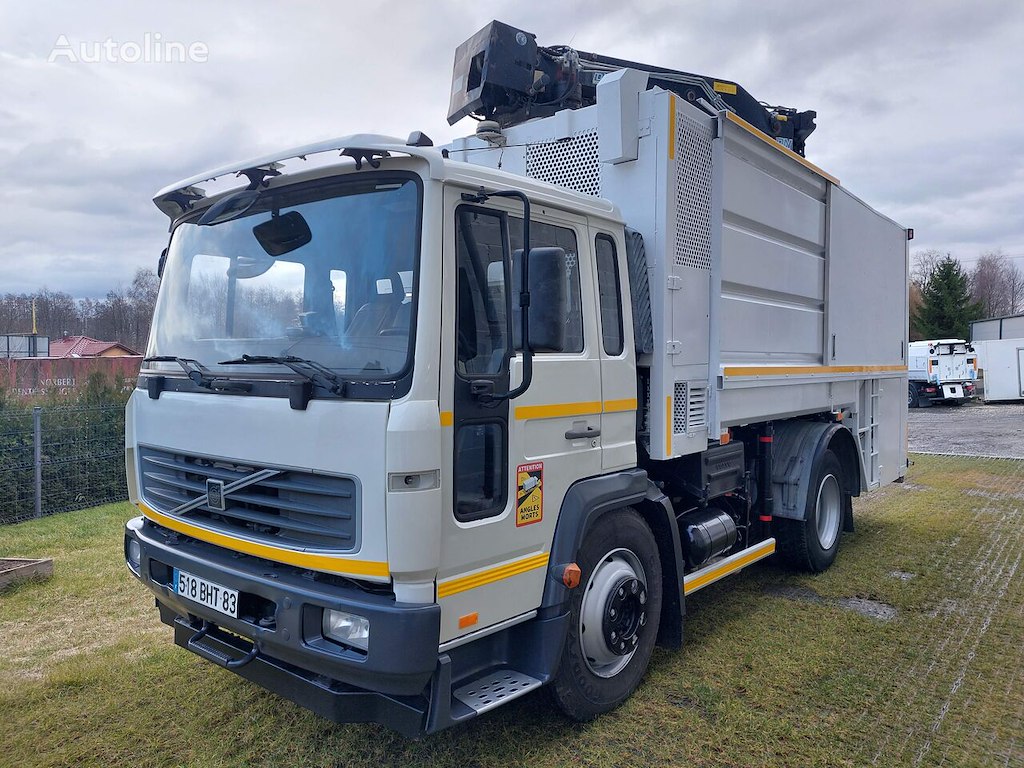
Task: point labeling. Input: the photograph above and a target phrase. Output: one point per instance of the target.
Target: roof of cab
(175, 199)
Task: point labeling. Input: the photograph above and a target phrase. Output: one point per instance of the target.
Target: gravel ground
(975, 429)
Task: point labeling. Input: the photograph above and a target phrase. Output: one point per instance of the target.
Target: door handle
(582, 434)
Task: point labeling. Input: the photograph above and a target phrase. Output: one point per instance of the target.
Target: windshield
(320, 271)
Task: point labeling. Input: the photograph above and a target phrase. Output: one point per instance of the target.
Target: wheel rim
(828, 511)
(910, 394)
(613, 615)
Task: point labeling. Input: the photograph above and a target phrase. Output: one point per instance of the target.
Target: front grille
(291, 508)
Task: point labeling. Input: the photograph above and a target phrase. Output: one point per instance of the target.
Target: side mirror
(549, 303)
(161, 263)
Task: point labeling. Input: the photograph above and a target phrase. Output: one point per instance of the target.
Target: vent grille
(697, 409)
(290, 507)
(689, 408)
(571, 163)
(693, 193)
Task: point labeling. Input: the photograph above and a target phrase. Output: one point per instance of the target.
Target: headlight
(347, 628)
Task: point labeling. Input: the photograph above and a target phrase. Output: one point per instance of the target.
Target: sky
(920, 103)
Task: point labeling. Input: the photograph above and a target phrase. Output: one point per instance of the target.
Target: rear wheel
(913, 398)
(811, 544)
(614, 617)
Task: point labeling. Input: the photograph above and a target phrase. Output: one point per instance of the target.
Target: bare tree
(997, 284)
(923, 264)
(1015, 288)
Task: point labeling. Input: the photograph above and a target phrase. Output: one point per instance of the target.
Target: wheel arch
(797, 450)
(584, 504)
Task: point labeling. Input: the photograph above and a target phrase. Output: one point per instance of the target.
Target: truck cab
(321, 443)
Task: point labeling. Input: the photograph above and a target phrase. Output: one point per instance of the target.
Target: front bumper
(280, 613)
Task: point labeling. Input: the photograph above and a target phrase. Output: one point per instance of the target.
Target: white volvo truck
(395, 471)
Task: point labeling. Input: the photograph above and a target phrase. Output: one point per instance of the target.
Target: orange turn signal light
(571, 576)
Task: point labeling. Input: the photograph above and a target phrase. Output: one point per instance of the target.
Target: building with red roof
(85, 346)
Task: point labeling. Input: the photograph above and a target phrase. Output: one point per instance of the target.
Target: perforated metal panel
(679, 408)
(689, 408)
(571, 163)
(693, 193)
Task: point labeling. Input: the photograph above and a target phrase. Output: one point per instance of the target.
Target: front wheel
(614, 617)
(811, 544)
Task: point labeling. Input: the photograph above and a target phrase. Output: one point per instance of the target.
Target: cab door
(616, 348)
(508, 464)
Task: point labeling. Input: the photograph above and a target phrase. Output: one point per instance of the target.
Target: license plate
(952, 390)
(206, 593)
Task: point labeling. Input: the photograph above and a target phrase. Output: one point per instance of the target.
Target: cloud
(918, 104)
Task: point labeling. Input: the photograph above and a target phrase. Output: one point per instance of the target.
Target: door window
(482, 352)
(609, 293)
(481, 311)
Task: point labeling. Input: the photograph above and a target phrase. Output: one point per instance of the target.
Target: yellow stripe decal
(732, 118)
(558, 409)
(447, 418)
(315, 562)
(725, 569)
(668, 425)
(729, 88)
(809, 370)
(672, 126)
(613, 406)
(491, 575)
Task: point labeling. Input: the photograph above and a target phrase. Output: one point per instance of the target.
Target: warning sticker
(529, 493)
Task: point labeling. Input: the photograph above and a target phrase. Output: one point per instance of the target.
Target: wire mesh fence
(60, 458)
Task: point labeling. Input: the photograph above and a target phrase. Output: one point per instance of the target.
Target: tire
(618, 553)
(811, 544)
(913, 397)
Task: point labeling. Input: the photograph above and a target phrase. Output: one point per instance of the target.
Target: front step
(494, 689)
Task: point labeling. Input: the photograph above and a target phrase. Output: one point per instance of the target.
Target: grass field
(909, 651)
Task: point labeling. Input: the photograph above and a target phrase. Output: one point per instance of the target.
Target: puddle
(873, 609)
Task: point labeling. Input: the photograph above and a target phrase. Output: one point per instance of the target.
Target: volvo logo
(215, 494)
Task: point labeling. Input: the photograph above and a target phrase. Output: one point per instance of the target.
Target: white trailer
(941, 370)
(1007, 327)
(421, 430)
(1002, 366)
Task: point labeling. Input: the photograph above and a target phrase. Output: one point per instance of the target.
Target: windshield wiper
(199, 374)
(195, 370)
(312, 371)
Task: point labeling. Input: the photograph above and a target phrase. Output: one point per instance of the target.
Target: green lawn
(776, 669)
